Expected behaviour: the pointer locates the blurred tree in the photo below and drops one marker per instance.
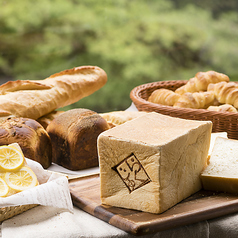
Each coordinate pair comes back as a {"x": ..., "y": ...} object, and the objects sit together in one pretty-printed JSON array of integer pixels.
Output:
[
  {"x": 216, "y": 7},
  {"x": 134, "y": 41}
]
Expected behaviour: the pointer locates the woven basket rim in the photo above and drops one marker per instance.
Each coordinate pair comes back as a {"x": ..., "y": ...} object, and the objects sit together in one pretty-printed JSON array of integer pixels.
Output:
[
  {"x": 138, "y": 100},
  {"x": 11, "y": 211}
]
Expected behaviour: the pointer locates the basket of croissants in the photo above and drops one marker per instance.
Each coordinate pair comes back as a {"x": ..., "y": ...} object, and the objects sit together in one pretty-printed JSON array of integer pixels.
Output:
[{"x": 207, "y": 96}]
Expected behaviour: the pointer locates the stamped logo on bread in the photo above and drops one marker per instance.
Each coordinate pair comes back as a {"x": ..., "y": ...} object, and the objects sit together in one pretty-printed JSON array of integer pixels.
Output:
[{"x": 132, "y": 173}]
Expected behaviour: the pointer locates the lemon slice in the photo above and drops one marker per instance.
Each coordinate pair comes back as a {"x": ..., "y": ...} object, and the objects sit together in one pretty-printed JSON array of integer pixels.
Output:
[
  {"x": 22, "y": 179},
  {"x": 4, "y": 189},
  {"x": 11, "y": 158}
]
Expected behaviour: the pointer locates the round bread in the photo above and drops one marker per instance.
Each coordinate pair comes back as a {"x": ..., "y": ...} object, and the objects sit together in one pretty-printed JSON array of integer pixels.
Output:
[
  {"x": 74, "y": 138},
  {"x": 31, "y": 137}
]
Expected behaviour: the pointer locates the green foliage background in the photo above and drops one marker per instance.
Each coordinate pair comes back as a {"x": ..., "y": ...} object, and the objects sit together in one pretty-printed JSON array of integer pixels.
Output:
[{"x": 134, "y": 41}]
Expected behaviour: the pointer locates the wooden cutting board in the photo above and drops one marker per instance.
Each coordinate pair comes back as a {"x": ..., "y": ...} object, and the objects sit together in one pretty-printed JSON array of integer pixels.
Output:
[{"x": 85, "y": 192}]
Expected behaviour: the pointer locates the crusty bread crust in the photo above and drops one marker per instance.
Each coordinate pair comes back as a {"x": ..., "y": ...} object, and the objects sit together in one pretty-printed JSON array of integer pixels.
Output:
[
  {"x": 36, "y": 98},
  {"x": 74, "y": 138},
  {"x": 31, "y": 137}
]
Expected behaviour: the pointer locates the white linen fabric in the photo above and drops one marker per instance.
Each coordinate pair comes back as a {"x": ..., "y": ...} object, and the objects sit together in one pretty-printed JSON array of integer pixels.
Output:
[{"x": 41, "y": 222}]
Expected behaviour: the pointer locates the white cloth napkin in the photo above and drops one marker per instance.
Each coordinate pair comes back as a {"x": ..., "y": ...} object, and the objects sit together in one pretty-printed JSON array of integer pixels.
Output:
[
  {"x": 41, "y": 222},
  {"x": 53, "y": 190}
]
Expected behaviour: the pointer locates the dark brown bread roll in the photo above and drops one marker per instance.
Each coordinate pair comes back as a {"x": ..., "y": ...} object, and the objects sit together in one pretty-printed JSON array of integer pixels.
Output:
[
  {"x": 74, "y": 138},
  {"x": 31, "y": 137}
]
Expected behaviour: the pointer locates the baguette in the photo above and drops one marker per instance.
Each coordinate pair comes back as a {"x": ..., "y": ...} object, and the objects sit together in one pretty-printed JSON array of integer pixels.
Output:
[{"x": 36, "y": 98}]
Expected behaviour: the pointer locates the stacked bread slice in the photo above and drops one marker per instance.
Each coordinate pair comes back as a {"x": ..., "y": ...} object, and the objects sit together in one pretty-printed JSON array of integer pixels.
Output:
[{"x": 221, "y": 174}]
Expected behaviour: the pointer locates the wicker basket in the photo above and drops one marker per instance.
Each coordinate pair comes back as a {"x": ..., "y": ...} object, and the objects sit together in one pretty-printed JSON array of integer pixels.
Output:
[
  {"x": 8, "y": 212},
  {"x": 222, "y": 121}
]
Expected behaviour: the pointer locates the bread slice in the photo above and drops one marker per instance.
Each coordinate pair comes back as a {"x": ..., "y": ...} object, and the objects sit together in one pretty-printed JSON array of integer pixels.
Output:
[
  {"x": 214, "y": 135},
  {"x": 221, "y": 174}
]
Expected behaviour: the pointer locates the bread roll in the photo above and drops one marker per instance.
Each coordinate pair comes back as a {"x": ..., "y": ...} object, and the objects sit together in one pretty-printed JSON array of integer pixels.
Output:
[
  {"x": 74, "y": 138},
  {"x": 31, "y": 137},
  {"x": 34, "y": 99}
]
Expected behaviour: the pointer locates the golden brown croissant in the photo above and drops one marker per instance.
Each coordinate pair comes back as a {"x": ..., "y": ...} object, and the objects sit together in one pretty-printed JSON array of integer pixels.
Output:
[
  {"x": 164, "y": 96},
  {"x": 201, "y": 81},
  {"x": 33, "y": 99},
  {"x": 197, "y": 100},
  {"x": 225, "y": 92},
  {"x": 222, "y": 108}
]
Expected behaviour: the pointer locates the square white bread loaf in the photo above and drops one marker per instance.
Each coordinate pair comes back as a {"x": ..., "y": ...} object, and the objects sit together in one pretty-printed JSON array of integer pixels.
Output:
[
  {"x": 221, "y": 174},
  {"x": 152, "y": 162}
]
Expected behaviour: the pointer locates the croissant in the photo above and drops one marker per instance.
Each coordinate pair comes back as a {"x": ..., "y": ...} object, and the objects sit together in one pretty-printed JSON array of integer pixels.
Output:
[
  {"x": 225, "y": 92},
  {"x": 34, "y": 99},
  {"x": 222, "y": 108},
  {"x": 201, "y": 81},
  {"x": 164, "y": 96},
  {"x": 197, "y": 100}
]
